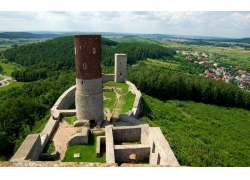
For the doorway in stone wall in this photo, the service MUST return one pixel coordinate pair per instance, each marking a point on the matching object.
(92, 123)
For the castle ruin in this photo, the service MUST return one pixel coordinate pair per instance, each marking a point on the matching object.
(88, 97)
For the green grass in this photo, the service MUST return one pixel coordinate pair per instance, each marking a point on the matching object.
(11, 85)
(200, 134)
(135, 40)
(87, 152)
(70, 120)
(126, 100)
(1, 78)
(49, 148)
(9, 67)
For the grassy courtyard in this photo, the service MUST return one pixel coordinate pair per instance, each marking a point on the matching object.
(87, 152)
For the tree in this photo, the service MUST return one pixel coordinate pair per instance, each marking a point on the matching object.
(1, 69)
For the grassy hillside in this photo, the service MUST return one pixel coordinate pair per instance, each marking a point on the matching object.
(9, 67)
(200, 134)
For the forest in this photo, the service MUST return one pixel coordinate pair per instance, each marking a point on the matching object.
(57, 54)
(165, 85)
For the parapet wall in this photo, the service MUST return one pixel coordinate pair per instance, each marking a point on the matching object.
(108, 77)
(30, 149)
(160, 151)
(137, 107)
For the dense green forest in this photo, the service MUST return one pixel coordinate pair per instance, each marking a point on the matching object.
(201, 135)
(43, 59)
(165, 85)
(21, 108)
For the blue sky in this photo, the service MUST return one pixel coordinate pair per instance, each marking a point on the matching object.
(137, 18)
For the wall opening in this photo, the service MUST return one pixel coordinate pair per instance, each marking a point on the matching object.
(120, 74)
(92, 123)
(93, 50)
(153, 148)
(158, 159)
(84, 66)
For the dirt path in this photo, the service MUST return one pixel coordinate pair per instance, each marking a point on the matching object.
(61, 136)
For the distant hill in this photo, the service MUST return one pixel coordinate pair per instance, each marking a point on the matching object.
(26, 35)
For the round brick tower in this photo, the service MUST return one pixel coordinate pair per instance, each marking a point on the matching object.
(88, 95)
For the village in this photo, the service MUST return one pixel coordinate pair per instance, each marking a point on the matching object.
(230, 75)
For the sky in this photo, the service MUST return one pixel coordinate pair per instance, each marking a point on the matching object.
(180, 18)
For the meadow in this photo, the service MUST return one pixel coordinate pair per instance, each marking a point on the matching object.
(6, 43)
(126, 99)
(9, 67)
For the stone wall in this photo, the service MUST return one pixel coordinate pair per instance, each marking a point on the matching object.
(160, 151)
(100, 140)
(26, 163)
(137, 107)
(127, 134)
(80, 138)
(30, 149)
(110, 154)
(66, 99)
(122, 153)
(108, 77)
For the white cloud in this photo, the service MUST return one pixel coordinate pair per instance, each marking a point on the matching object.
(206, 23)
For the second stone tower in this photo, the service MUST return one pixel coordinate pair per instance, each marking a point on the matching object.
(88, 95)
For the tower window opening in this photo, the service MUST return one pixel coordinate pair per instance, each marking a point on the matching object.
(93, 50)
(84, 66)
(158, 159)
(120, 74)
(153, 148)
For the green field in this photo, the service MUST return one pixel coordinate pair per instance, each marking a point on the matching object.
(202, 135)
(134, 40)
(11, 85)
(9, 67)
(1, 78)
(87, 152)
(6, 43)
(154, 63)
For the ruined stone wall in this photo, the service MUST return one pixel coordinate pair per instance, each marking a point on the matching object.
(137, 107)
(30, 149)
(160, 151)
(127, 134)
(68, 164)
(110, 154)
(63, 103)
(80, 138)
(108, 77)
(122, 153)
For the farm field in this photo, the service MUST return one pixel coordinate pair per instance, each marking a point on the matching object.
(6, 43)
(202, 135)
(11, 85)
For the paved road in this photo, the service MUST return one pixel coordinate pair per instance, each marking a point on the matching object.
(5, 81)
